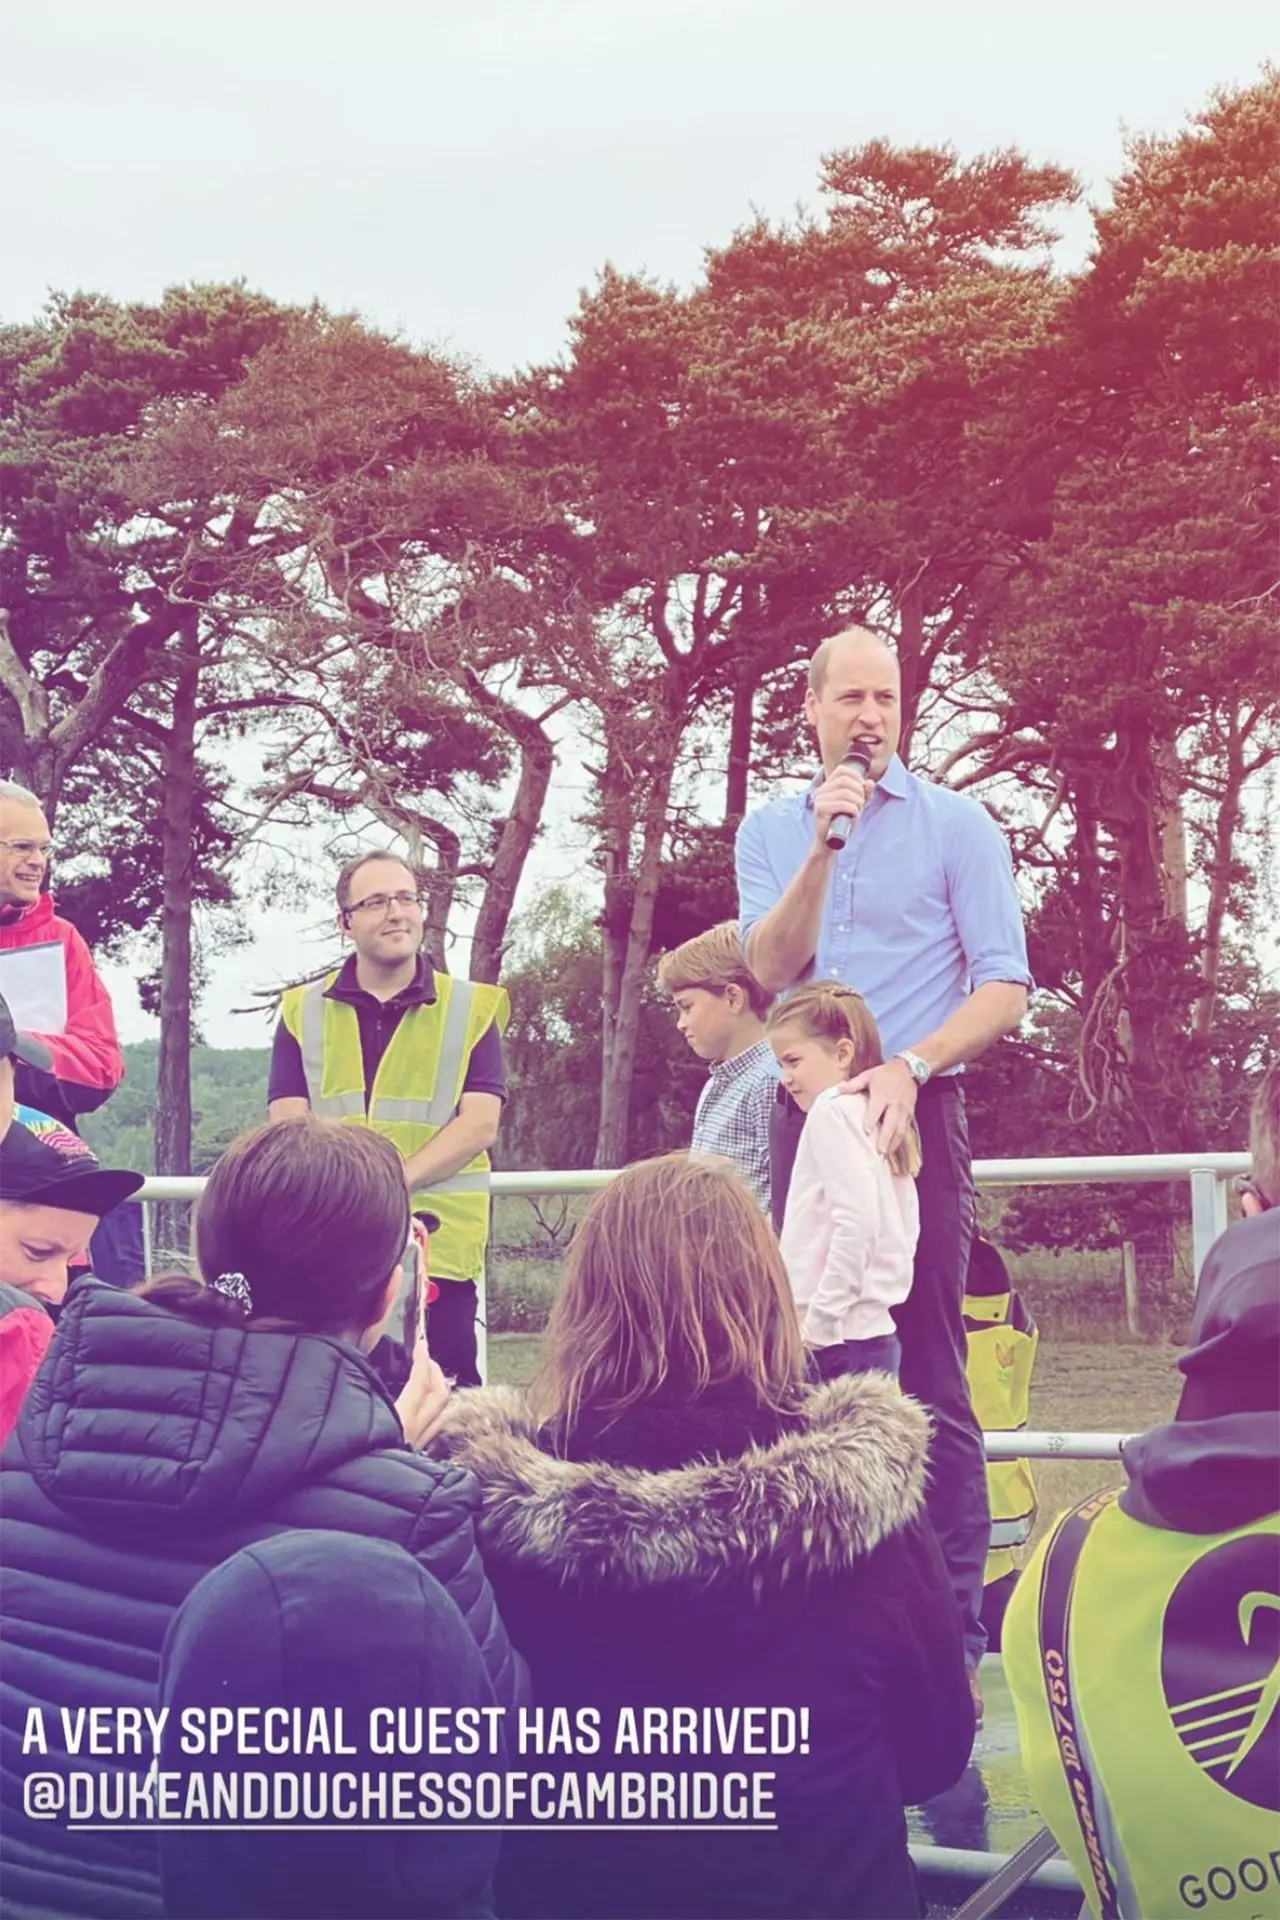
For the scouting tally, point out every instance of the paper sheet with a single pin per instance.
(34, 982)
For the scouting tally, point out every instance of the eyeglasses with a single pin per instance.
(25, 849)
(381, 903)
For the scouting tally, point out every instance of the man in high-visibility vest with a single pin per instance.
(1001, 1339)
(385, 1042)
(1142, 1644)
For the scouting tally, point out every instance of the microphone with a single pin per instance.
(859, 757)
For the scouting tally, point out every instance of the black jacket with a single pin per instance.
(272, 1628)
(1216, 1465)
(719, 1556)
(148, 1450)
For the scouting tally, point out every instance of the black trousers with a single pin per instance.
(451, 1331)
(931, 1328)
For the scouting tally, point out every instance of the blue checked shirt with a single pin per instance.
(921, 907)
(732, 1116)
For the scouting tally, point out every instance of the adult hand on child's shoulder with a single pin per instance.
(891, 1101)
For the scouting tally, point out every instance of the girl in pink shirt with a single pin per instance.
(852, 1220)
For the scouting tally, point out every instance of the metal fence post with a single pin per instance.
(1208, 1213)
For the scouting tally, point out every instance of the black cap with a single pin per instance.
(22, 1046)
(431, 1221)
(50, 1166)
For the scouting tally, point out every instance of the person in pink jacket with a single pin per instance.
(852, 1219)
(53, 1193)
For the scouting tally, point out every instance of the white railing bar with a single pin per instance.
(1142, 1168)
(1055, 1446)
(966, 1865)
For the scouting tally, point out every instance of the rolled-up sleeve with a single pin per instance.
(984, 900)
(759, 889)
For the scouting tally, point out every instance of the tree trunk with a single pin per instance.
(615, 843)
(441, 883)
(173, 1089)
(741, 725)
(537, 759)
(622, 1031)
(911, 663)
(1225, 828)
(1173, 832)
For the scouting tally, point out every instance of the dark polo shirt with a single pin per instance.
(378, 1021)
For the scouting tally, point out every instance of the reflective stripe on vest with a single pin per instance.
(1093, 1816)
(338, 1106)
(453, 1054)
(1145, 1666)
(424, 1069)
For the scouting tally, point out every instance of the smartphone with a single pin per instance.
(407, 1323)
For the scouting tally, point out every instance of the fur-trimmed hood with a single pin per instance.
(812, 1503)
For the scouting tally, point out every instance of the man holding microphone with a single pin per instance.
(919, 913)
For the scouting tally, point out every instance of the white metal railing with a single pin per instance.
(1206, 1172)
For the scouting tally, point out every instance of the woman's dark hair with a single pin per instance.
(313, 1214)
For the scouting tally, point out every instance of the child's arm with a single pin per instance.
(845, 1161)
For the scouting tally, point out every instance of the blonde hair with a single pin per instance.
(829, 1012)
(713, 960)
(674, 1281)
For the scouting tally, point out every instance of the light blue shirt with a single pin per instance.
(921, 906)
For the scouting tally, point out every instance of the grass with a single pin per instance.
(1084, 1386)
(1109, 1386)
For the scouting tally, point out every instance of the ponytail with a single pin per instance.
(828, 1011)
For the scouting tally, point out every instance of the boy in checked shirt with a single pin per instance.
(720, 1010)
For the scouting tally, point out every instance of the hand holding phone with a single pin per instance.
(425, 1291)
(425, 1399)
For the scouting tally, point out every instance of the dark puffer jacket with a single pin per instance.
(149, 1449)
(720, 1556)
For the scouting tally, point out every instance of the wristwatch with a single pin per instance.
(919, 1069)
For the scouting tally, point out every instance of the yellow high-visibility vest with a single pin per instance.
(1145, 1670)
(415, 1092)
(1002, 1339)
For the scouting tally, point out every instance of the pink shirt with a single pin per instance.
(851, 1226)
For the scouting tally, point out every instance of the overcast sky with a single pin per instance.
(460, 172)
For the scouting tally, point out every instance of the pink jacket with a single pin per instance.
(851, 1226)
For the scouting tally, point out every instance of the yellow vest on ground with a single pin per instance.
(1145, 1670)
(1002, 1339)
(415, 1092)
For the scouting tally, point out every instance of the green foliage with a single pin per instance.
(552, 1049)
(228, 1095)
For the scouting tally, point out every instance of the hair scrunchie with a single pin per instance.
(235, 1287)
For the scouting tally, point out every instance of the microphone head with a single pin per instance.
(860, 755)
